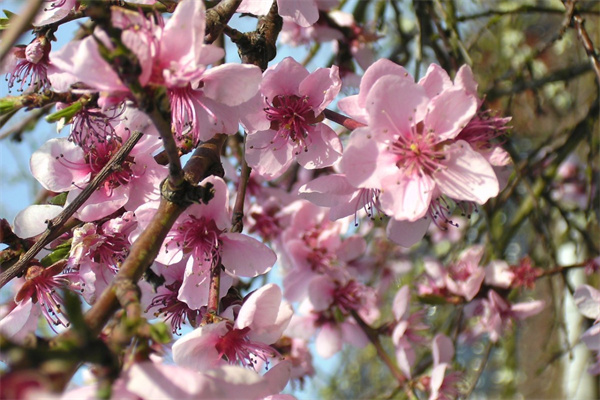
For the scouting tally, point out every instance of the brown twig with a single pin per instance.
(340, 119)
(55, 224)
(584, 38)
(204, 162)
(17, 131)
(163, 127)
(217, 17)
(373, 336)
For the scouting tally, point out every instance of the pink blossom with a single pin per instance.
(259, 323)
(406, 330)
(587, 300)
(410, 162)
(343, 199)
(293, 34)
(294, 101)
(498, 273)
(304, 12)
(20, 321)
(174, 55)
(28, 65)
(330, 335)
(312, 246)
(53, 11)
(465, 276)
(412, 149)
(199, 238)
(60, 165)
(159, 381)
(98, 251)
(442, 385)
(80, 62)
(40, 288)
(171, 309)
(497, 314)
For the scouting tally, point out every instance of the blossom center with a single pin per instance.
(171, 308)
(237, 347)
(202, 238)
(293, 118)
(100, 154)
(417, 154)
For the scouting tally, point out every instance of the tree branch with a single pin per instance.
(55, 225)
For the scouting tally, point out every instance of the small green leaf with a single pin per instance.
(160, 332)
(59, 200)
(67, 113)
(5, 22)
(10, 103)
(61, 252)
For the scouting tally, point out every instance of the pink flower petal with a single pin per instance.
(449, 112)
(321, 87)
(82, 60)
(401, 302)
(362, 161)
(328, 341)
(391, 114)
(183, 34)
(435, 80)
(407, 233)
(587, 300)
(52, 165)
(266, 160)
(283, 79)
(33, 220)
(442, 349)
(525, 310)
(327, 190)
(220, 82)
(407, 197)
(320, 292)
(324, 151)
(467, 176)
(464, 78)
(196, 350)
(265, 314)
(303, 12)
(234, 256)
(355, 105)
(160, 381)
(100, 204)
(21, 321)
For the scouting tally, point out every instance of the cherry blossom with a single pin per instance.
(260, 322)
(154, 380)
(40, 288)
(497, 314)
(200, 239)
(28, 65)
(173, 55)
(587, 300)
(294, 100)
(53, 11)
(442, 385)
(407, 330)
(60, 165)
(303, 13)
